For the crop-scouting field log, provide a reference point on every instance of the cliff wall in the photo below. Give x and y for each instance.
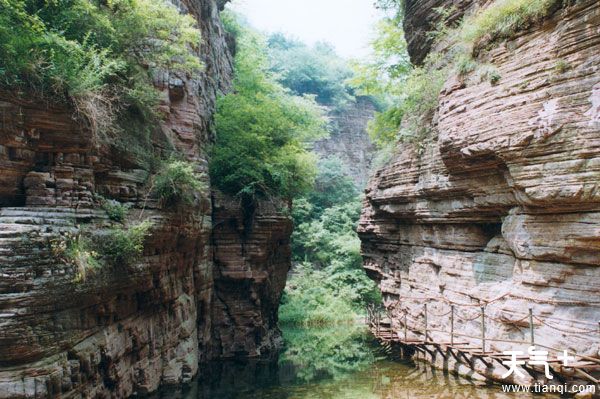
(349, 140)
(500, 209)
(127, 330)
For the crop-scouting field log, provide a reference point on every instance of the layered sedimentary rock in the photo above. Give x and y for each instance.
(126, 330)
(425, 16)
(349, 140)
(252, 258)
(500, 209)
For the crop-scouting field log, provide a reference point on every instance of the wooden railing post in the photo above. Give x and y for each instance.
(426, 323)
(452, 325)
(531, 331)
(483, 329)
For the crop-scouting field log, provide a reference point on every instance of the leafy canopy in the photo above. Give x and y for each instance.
(263, 130)
(329, 285)
(313, 70)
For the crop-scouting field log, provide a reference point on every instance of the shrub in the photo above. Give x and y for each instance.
(76, 250)
(123, 246)
(503, 18)
(562, 66)
(489, 73)
(177, 183)
(308, 302)
(115, 210)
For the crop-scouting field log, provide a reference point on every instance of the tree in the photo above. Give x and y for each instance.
(315, 70)
(263, 130)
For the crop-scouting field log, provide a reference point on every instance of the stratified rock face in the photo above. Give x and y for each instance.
(504, 201)
(349, 140)
(423, 17)
(123, 330)
(252, 258)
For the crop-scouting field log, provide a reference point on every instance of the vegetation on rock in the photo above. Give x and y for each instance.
(177, 183)
(76, 250)
(122, 246)
(411, 92)
(115, 210)
(95, 55)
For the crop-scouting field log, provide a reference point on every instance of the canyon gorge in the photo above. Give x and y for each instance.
(495, 209)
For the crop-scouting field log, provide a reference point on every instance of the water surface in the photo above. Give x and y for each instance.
(336, 363)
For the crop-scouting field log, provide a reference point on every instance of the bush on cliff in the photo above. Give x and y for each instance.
(176, 183)
(95, 55)
(503, 18)
(263, 130)
(122, 246)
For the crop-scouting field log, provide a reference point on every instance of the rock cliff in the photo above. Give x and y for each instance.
(500, 209)
(209, 280)
(349, 140)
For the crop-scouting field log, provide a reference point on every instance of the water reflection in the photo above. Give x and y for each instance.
(331, 363)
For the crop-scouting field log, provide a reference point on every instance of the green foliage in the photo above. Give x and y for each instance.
(176, 183)
(503, 18)
(76, 250)
(410, 93)
(332, 186)
(328, 285)
(115, 210)
(384, 72)
(263, 131)
(307, 302)
(94, 54)
(488, 72)
(313, 70)
(500, 20)
(123, 246)
(416, 100)
(562, 66)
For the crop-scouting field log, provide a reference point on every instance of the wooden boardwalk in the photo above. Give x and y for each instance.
(469, 354)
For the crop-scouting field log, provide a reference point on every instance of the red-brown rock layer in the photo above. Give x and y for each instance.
(127, 330)
(504, 201)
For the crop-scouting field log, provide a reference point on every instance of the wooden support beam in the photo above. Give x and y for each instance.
(587, 376)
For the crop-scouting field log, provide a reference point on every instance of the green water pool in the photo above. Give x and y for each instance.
(335, 363)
